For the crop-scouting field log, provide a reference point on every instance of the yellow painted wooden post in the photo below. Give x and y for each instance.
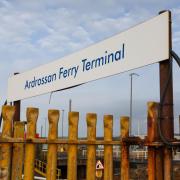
(53, 117)
(32, 116)
(108, 149)
(91, 149)
(18, 151)
(5, 149)
(72, 149)
(124, 149)
(152, 128)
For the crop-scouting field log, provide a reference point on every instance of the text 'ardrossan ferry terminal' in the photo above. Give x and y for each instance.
(84, 66)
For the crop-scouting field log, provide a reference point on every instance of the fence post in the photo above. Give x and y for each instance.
(5, 149)
(108, 149)
(18, 151)
(124, 148)
(91, 120)
(72, 149)
(32, 116)
(53, 117)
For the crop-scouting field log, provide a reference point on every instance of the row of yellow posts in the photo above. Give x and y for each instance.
(22, 153)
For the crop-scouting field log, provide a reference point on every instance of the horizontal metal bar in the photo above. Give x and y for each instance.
(129, 141)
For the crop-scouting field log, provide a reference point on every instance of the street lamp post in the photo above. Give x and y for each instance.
(45, 125)
(41, 131)
(138, 127)
(70, 105)
(62, 121)
(131, 91)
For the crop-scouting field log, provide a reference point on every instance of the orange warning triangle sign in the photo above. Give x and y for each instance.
(99, 165)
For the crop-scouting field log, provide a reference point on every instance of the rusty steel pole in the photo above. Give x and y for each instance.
(155, 163)
(72, 149)
(91, 149)
(108, 149)
(32, 116)
(53, 117)
(5, 149)
(167, 117)
(124, 124)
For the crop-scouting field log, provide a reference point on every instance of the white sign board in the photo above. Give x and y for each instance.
(141, 45)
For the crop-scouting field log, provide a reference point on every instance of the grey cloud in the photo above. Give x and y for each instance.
(61, 23)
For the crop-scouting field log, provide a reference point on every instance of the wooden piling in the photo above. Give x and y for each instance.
(72, 149)
(18, 151)
(32, 116)
(53, 117)
(91, 149)
(5, 149)
(108, 149)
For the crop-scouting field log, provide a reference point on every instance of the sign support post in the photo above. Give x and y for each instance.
(17, 105)
(167, 120)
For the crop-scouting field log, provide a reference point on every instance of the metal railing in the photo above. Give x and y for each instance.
(41, 168)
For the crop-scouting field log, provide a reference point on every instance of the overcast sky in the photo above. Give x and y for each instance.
(40, 31)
